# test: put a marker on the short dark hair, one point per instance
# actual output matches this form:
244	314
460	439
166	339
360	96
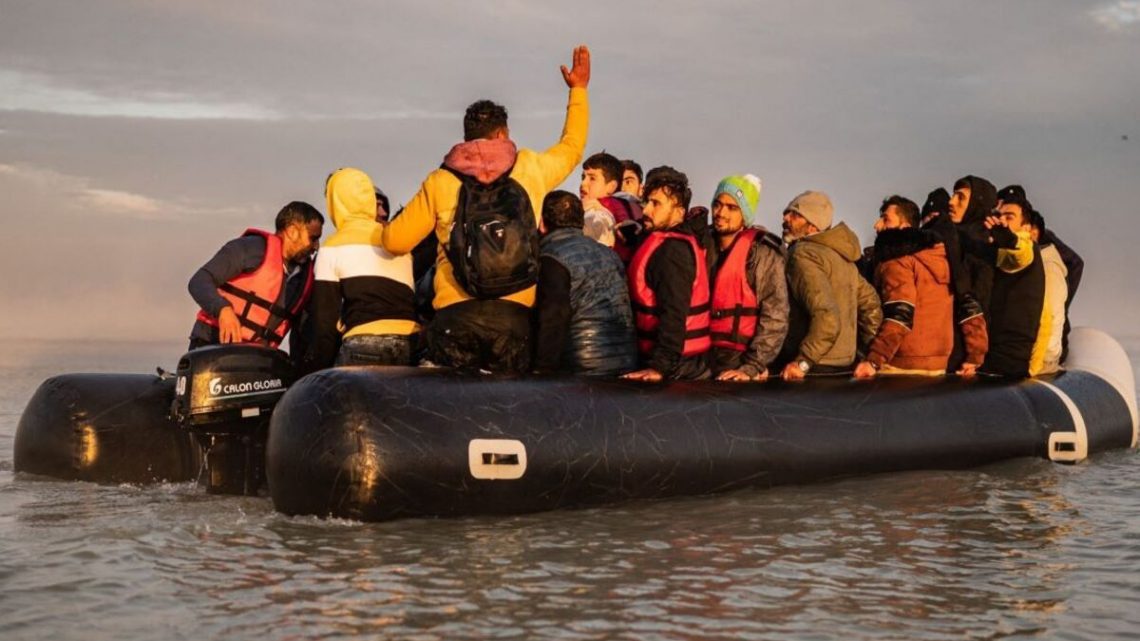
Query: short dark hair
382	199
1037	221
907	209
629	165
562	209
482	119
1022	203
674	183
610	166
298	212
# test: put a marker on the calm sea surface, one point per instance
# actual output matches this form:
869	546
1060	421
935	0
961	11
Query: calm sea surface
1025	549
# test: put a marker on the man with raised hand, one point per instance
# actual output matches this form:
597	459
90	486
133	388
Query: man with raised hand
482	318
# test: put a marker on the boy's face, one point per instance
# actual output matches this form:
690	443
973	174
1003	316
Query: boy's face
958	204
630	183
594	185
661	211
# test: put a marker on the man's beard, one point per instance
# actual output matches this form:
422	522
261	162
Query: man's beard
726	232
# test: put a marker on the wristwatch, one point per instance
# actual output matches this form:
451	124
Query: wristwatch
804	365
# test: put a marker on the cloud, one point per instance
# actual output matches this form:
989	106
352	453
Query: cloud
22	91
1117	16
115	203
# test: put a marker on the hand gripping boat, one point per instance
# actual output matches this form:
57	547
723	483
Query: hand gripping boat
382	443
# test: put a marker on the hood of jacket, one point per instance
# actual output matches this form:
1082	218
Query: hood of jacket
983	199
484	160
351	202
925	246
839	238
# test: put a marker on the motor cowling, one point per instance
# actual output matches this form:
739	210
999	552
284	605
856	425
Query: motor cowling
225	395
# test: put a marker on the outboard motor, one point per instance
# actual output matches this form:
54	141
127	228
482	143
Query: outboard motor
225	395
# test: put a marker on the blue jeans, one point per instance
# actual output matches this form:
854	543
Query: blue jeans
377	349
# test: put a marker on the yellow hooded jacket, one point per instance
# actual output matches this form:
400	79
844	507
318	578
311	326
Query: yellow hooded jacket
355	250
433	206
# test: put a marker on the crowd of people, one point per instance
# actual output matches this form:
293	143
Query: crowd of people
488	268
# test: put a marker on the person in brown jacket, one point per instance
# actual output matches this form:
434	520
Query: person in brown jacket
912	275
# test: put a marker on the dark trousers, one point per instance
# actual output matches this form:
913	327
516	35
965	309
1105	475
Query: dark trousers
377	349
492	335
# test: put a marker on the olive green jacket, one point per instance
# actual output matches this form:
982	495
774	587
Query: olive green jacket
839	311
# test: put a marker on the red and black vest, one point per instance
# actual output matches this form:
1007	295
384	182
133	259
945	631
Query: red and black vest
253	296
734	304
645	312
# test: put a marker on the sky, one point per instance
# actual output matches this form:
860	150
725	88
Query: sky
137	137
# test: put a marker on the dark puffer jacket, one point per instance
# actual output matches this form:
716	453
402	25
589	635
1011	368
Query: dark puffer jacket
599	336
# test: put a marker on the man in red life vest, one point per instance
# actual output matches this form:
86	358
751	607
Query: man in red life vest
255	287
750	290
669	287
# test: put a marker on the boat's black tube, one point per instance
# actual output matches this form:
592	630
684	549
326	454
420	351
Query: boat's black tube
105	428
373	444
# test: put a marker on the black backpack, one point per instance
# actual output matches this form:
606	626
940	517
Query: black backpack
493	246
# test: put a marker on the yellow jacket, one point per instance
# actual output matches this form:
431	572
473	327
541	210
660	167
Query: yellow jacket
433	206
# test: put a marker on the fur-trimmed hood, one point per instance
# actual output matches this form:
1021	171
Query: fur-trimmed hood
925	246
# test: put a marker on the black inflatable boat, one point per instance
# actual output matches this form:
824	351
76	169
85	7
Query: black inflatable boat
382	443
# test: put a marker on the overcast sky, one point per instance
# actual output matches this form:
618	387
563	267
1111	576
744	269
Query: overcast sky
136	137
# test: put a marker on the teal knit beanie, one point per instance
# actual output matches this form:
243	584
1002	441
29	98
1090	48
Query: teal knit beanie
745	190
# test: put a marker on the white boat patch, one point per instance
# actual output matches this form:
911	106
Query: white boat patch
496	459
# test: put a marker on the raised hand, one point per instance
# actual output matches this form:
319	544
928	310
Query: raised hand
579	75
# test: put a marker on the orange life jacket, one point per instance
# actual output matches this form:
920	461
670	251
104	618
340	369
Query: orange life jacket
644	300
734	304
253	296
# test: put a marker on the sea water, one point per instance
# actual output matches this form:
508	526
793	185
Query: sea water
1023	549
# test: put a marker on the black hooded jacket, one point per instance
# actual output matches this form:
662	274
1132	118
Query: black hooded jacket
977	253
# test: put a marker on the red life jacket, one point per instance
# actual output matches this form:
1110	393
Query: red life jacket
734	304
645	301
253	296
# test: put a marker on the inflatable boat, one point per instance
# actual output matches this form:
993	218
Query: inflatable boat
382	443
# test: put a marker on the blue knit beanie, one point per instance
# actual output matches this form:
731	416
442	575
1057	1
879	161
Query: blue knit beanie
745	190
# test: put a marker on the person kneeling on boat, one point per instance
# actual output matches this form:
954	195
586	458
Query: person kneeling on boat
669	285
257	285
912	275
360	285
583	322
750	290
834	310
